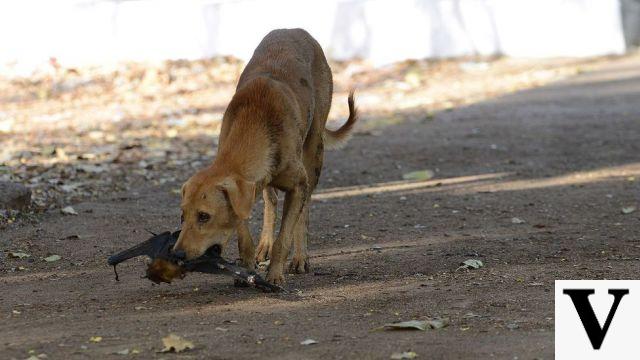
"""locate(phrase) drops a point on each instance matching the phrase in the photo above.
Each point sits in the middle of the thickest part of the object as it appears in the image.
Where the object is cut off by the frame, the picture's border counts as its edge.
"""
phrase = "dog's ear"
(241, 194)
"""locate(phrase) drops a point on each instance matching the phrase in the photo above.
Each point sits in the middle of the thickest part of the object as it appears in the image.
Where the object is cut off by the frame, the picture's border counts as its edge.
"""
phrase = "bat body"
(167, 265)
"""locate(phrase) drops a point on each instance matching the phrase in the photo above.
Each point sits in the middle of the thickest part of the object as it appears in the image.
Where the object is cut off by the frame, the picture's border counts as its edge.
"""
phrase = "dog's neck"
(246, 154)
(246, 147)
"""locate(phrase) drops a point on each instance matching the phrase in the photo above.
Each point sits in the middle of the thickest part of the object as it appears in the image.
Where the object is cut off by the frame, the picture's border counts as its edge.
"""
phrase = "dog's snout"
(180, 254)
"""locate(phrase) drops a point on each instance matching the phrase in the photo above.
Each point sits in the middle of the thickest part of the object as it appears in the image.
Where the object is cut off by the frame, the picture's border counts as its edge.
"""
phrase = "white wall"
(383, 31)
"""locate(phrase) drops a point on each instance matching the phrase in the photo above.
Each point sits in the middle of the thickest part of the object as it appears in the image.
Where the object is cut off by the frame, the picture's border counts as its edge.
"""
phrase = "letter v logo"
(580, 298)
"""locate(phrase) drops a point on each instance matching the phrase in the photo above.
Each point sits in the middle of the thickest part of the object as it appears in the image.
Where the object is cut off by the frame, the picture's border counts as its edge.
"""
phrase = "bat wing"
(157, 246)
(217, 265)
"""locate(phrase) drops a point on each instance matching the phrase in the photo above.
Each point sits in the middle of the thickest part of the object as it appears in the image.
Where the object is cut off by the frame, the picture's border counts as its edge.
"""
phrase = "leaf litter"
(138, 135)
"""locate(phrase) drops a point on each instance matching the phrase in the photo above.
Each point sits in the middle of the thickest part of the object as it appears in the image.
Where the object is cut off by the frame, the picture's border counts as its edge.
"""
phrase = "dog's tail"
(335, 139)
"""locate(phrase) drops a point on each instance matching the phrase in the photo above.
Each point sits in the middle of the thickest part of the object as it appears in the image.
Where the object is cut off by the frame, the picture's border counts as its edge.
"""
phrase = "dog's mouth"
(215, 250)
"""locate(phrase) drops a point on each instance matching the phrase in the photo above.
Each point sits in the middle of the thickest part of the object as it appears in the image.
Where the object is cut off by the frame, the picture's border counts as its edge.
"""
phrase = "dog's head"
(212, 205)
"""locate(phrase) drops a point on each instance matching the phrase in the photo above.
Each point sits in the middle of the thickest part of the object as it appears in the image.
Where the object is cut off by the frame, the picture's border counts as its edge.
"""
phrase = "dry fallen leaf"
(95, 339)
(471, 264)
(175, 343)
(438, 323)
(39, 357)
(308, 342)
(68, 211)
(127, 352)
(423, 325)
(406, 325)
(404, 355)
(18, 255)
(52, 258)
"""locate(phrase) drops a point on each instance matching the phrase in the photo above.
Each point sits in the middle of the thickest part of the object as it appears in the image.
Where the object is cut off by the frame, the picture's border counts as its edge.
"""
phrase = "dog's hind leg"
(295, 203)
(300, 261)
(268, 223)
(313, 158)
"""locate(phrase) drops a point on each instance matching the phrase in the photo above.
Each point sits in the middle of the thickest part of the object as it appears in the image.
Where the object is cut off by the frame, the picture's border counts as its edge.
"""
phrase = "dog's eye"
(203, 217)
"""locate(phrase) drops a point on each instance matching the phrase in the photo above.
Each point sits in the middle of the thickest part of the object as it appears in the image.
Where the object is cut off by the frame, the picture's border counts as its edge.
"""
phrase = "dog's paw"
(262, 252)
(248, 263)
(299, 265)
(275, 277)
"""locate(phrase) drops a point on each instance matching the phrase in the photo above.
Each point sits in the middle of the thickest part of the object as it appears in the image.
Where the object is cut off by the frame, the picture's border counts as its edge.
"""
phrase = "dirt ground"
(532, 183)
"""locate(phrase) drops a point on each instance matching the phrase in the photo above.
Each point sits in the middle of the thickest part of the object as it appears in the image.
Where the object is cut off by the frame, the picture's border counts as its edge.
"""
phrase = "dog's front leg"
(268, 223)
(294, 203)
(245, 246)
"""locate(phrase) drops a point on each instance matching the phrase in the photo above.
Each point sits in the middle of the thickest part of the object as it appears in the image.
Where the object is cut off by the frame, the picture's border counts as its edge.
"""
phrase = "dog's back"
(288, 55)
(293, 57)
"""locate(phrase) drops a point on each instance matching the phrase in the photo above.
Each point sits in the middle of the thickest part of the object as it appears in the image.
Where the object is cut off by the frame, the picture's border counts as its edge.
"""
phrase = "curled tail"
(335, 139)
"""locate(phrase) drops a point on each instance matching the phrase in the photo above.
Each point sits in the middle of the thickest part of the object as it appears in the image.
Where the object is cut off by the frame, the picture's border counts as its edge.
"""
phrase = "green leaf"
(419, 175)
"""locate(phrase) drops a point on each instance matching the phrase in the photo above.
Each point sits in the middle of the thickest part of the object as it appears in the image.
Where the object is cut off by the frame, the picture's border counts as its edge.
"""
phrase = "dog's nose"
(180, 254)
(216, 249)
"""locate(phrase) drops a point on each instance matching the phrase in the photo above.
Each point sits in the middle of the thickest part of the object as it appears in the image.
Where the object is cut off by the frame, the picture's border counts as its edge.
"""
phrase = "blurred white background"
(81, 32)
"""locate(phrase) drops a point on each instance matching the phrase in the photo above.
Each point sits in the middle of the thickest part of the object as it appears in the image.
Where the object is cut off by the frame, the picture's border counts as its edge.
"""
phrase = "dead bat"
(167, 265)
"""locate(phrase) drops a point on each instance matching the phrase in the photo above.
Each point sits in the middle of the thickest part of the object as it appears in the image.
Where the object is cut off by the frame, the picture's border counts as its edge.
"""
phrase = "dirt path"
(564, 159)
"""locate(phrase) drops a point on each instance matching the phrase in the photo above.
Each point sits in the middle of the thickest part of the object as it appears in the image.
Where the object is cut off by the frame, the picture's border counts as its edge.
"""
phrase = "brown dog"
(272, 137)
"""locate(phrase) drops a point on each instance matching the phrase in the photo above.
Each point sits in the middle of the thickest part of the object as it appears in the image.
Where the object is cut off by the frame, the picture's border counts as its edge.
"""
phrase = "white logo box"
(622, 339)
